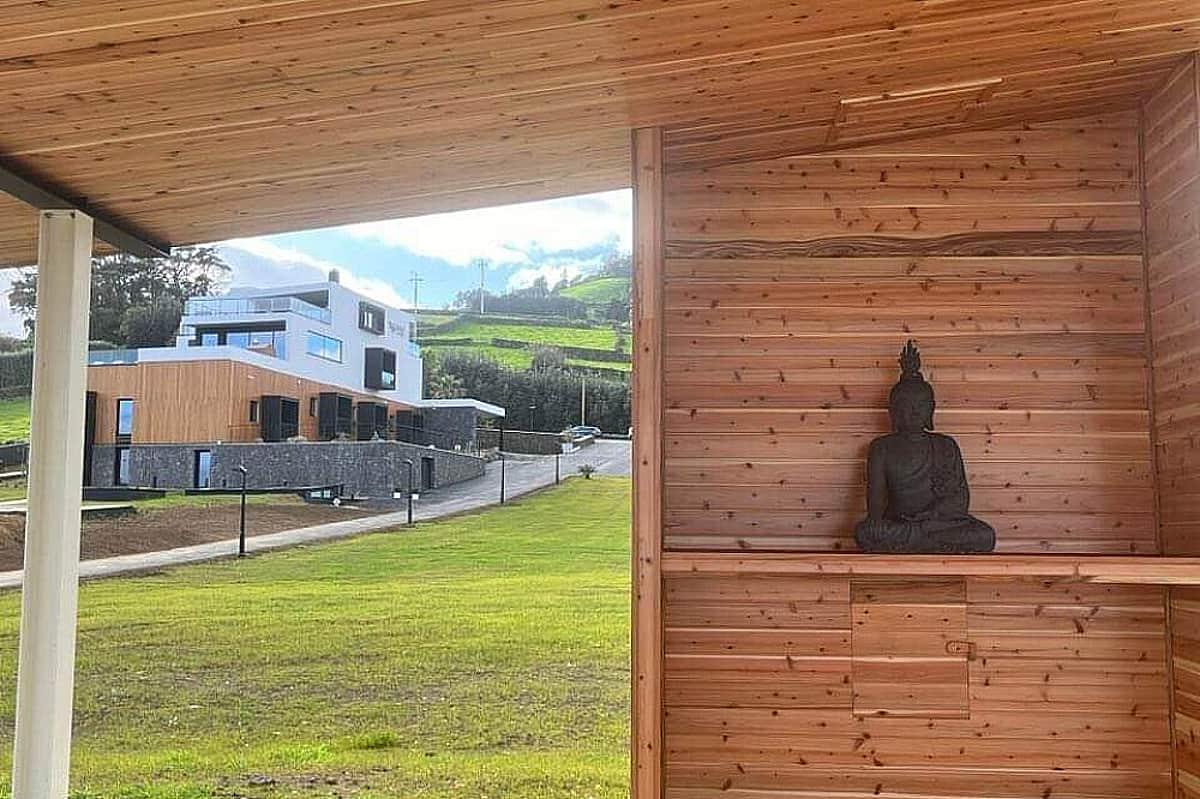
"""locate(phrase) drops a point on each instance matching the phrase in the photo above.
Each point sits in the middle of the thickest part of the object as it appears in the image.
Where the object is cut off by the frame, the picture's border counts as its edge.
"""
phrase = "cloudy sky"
(555, 238)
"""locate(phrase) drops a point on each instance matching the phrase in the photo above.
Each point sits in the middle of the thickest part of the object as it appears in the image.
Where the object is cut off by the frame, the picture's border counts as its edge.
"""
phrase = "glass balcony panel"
(240, 306)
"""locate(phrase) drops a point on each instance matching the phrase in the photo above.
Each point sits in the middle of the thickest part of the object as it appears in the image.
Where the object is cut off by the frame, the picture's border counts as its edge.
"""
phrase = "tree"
(136, 301)
(439, 383)
(151, 325)
(545, 357)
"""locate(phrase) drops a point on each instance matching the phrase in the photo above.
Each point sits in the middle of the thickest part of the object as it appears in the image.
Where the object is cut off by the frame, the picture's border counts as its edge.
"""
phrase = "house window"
(121, 466)
(312, 407)
(202, 468)
(254, 410)
(379, 369)
(371, 317)
(209, 339)
(323, 346)
(125, 417)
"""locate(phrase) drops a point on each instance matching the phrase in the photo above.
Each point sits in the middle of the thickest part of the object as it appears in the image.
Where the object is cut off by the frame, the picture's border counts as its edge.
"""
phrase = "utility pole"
(583, 401)
(416, 281)
(482, 291)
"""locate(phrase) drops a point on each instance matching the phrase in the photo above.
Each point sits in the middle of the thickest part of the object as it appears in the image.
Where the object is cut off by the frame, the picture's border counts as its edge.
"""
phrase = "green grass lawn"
(483, 332)
(521, 359)
(14, 418)
(425, 319)
(485, 655)
(598, 290)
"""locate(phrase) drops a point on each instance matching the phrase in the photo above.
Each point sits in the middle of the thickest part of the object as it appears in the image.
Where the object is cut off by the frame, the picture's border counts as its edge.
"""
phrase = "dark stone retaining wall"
(520, 441)
(372, 468)
(451, 427)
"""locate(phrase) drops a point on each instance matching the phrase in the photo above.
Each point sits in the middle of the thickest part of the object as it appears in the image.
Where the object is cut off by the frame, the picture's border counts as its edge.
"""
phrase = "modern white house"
(320, 331)
(265, 368)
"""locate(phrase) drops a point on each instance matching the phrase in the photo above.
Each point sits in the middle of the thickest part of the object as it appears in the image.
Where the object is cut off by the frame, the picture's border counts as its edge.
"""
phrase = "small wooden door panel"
(909, 648)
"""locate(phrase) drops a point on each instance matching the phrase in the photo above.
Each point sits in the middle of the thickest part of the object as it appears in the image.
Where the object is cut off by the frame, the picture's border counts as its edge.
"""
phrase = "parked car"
(584, 430)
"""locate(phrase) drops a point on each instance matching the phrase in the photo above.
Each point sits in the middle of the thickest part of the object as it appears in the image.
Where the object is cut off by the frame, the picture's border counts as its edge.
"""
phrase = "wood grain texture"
(203, 121)
(1171, 135)
(785, 312)
(1066, 685)
(199, 401)
(647, 418)
(1185, 649)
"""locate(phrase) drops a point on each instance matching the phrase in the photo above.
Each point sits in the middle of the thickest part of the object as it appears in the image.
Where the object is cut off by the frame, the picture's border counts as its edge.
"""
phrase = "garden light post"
(408, 462)
(242, 525)
(501, 449)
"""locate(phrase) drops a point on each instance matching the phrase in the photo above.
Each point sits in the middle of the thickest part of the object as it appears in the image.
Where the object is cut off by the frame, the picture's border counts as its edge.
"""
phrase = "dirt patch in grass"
(152, 530)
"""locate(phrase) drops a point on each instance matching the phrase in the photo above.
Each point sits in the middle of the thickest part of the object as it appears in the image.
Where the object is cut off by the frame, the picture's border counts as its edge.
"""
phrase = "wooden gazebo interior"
(1013, 183)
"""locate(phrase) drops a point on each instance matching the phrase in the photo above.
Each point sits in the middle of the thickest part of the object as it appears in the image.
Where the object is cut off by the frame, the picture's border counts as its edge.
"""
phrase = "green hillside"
(598, 290)
(480, 335)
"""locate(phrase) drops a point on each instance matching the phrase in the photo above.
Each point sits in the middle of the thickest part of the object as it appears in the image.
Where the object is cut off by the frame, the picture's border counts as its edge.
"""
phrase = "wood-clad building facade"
(193, 401)
(1046, 270)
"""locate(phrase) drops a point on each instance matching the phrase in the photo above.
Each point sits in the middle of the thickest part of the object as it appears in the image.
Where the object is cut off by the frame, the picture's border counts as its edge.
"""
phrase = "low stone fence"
(370, 468)
(520, 442)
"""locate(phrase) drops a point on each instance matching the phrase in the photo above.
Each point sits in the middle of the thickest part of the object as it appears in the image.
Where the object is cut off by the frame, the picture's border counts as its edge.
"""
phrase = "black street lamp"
(408, 462)
(502, 462)
(242, 525)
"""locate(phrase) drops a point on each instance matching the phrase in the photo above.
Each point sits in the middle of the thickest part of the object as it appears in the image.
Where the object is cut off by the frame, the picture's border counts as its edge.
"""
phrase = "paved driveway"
(522, 474)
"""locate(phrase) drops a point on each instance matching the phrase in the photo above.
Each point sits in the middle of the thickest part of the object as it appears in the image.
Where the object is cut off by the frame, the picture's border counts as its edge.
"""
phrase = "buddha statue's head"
(910, 403)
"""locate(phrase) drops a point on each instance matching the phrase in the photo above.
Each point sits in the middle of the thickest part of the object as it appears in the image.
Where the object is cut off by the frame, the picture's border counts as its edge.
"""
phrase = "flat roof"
(196, 121)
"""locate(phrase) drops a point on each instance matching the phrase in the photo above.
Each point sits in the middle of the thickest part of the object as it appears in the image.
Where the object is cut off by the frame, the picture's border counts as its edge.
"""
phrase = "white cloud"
(259, 263)
(554, 274)
(511, 234)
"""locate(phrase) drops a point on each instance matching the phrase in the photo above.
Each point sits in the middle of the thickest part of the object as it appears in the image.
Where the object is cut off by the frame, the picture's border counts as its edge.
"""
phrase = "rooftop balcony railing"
(104, 357)
(241, 306)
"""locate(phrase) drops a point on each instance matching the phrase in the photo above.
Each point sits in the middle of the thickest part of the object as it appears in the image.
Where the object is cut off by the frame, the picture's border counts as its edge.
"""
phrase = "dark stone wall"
(520, 441)
(372, 468)
(450, 427)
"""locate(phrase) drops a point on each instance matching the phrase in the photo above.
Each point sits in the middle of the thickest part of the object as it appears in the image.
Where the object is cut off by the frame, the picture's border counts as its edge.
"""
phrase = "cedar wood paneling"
(1171, 153)
(200, 400)
(1067, 693)
(1014, 258)
(1172, 178)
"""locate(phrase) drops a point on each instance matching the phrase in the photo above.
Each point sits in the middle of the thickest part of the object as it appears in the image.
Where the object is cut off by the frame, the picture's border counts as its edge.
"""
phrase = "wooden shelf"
(1146, 569)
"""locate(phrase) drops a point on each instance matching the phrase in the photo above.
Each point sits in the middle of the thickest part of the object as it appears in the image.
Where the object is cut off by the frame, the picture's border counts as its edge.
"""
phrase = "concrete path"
(523, 474)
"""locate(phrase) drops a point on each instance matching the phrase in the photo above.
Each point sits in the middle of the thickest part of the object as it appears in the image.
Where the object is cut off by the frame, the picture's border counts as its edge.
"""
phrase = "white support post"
(46, 670)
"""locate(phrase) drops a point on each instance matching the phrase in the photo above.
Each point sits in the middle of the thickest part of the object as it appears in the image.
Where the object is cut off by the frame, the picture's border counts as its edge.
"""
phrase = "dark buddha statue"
(917, 495)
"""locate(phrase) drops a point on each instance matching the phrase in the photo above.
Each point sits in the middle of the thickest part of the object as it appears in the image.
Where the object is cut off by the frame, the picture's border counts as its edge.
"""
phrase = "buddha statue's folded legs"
(933, 536)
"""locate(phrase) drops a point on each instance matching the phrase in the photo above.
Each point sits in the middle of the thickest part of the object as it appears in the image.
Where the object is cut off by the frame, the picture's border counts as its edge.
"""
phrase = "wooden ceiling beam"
(120, 233)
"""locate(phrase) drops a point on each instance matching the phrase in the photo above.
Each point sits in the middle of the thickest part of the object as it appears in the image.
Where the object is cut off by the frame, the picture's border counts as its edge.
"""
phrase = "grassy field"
(598, 290)
(14, 418)
(485, 655)
(521, 359)
(482, 332)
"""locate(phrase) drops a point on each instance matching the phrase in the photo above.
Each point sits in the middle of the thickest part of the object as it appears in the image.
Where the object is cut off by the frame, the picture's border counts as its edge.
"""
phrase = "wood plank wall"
(1185, 648)
(197, 401)
(1171, 175)
(1171, 134)
(1015, 259)
(1067, 694)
